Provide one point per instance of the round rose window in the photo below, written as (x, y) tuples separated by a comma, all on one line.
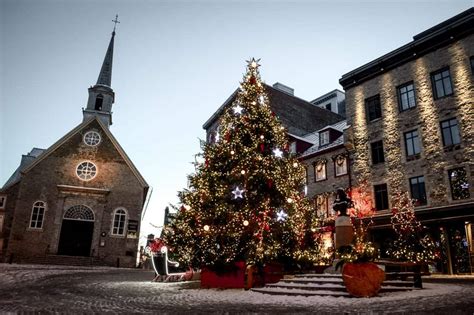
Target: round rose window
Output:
[(92, 138), (86, 170)]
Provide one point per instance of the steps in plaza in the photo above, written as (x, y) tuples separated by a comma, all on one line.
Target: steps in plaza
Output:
[(323, 285), (62, 260)]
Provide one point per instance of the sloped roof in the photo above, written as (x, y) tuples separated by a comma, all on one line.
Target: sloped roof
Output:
[(314, 138), (26, 160), (299, 116), (31, 164)]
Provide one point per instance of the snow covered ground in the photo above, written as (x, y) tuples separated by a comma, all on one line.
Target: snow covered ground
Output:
[(53, 289)]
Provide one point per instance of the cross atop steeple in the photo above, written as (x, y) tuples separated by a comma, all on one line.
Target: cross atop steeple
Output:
[(101, 95), (115, 22)]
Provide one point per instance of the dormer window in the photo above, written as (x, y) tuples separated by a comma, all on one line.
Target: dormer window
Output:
[(293, 147), (324, 138), (98, 102)]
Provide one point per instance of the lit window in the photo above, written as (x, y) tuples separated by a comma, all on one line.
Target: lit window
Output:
[(418, 192), (373, 107), (320, 170), (92, 138), (377, 152), (86, 170), (322, 206), (324, 138), (450, 132), (406, 96), (341, 165), (37, 215), (381, 197), (459, 183), (118, 227), (412, 143), (441, 82)]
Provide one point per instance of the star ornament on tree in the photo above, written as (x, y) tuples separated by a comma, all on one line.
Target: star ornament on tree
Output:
[(238, 193), (253, 64), (281, 216), (278, 153), (238, 109)]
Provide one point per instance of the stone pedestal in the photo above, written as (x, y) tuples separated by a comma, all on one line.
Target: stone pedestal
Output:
[(344, 231)]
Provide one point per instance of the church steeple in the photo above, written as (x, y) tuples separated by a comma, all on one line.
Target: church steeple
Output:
[(101, 95)]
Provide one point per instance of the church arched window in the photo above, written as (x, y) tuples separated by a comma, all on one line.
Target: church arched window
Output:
[(118, 225), (99, 100), (37, 215)]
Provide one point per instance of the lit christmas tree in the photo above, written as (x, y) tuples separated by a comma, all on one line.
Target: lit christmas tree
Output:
[(245, 202), (411, 244)]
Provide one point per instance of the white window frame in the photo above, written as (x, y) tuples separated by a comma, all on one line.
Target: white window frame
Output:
[(96, 142), (115, 231), (96, 171), (340, 169), (324, 138), (320, 171), (42, 207), (293, 147)]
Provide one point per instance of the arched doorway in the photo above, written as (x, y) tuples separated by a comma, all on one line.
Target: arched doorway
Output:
[(76, 231)]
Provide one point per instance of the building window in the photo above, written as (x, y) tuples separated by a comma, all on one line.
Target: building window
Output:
[(293, 147), (92, 138), (441, 81), (450, 131), (329, 107), (324, 138), (459, 183), (412, 143), (3, 202), (381, 197), (377, 152), (406, 96), (417, 189), (37, 215), (324, 204), (120, 217), (320, 171), (374, 109), (340, 164), (306, 181), (99, 100), (1, 223), (86, 170)]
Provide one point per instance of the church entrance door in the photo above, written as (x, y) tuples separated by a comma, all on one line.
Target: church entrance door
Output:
[(76, 238), (76, 232)]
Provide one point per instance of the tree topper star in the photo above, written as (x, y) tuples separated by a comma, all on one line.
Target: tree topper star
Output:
[(238, 193), (253, 63), (278, 152)]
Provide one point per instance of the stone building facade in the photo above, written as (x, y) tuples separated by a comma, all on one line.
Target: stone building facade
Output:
[(82, 197), (412, 118)]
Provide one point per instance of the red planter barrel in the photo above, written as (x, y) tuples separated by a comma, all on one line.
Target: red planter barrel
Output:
[(229, 280), (362, 279)]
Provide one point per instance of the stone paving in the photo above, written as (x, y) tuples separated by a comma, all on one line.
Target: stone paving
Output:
[(32, 289)]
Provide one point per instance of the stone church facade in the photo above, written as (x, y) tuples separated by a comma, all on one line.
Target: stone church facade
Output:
[(81, 197)]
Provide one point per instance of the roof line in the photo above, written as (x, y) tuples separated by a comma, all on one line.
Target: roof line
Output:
[(67, 136)]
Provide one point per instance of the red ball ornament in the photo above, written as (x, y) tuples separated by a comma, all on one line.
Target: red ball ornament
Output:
[(252, 80), (262, 147)]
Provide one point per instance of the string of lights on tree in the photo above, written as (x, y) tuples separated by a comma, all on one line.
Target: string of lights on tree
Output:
[(411, 244), (245, 201)]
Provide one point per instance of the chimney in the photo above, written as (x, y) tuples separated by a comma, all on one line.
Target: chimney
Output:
[(284, 88)]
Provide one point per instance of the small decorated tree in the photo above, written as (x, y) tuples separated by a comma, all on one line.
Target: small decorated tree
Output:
[(244, 203), (412, 244)]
